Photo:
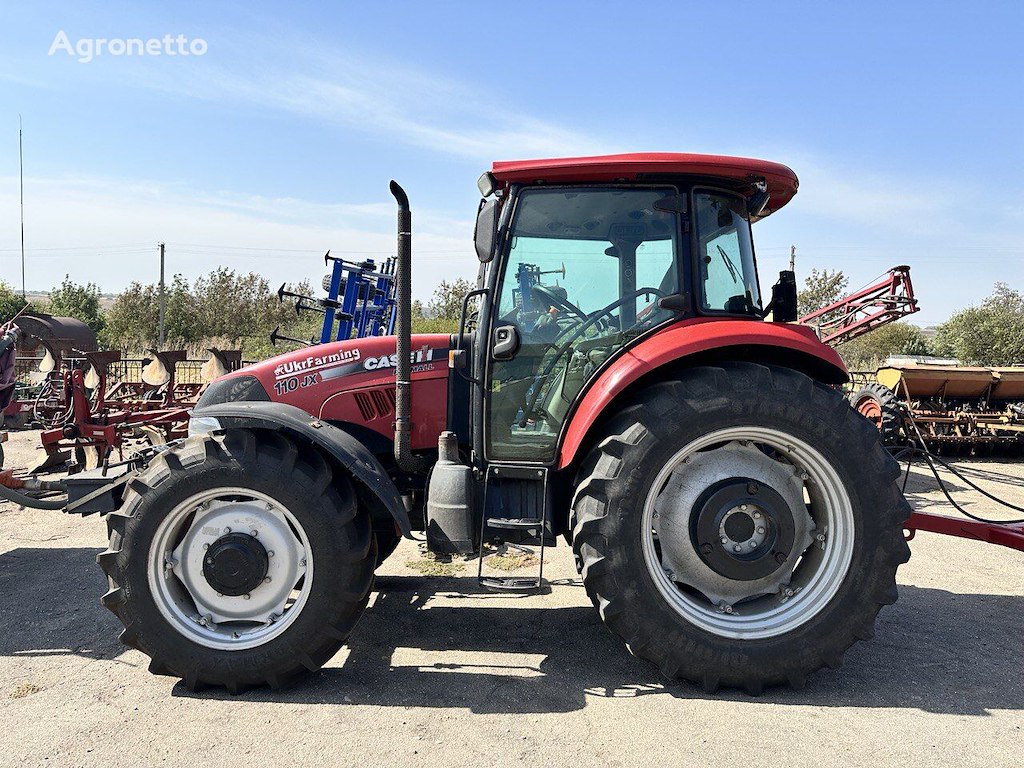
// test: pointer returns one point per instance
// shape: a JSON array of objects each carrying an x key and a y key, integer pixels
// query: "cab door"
[{"x": 581, "y": 276}]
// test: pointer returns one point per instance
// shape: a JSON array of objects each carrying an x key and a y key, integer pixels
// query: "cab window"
[{"x": 582, "y": 278}]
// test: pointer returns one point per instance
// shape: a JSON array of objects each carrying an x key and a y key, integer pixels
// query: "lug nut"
[
  {"x": 247, "y": 596},
  {"x": 753, "y": 544},
  {"x": 736, "y": 547},
  {"x": 270, "y": 553},
  {"x": 227, "y": 530},
  {"x": 760, "y": 530},
  {"x": 756, "y": 515},
  {"x": 725, "y": 540},
  {"x": 206, "y": 546},
  {"x": 266, "y": 580},
  {"x": 743, "y": 507}
]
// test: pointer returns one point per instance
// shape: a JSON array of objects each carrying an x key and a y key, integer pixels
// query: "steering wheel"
[
  {"x": 552, "y": 299},
  {"x": 531, "y": 404}
]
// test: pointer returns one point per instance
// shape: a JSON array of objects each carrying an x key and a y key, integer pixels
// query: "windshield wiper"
[{"x": 728, "y": 263}]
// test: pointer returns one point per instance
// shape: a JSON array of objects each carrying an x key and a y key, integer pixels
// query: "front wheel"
[
  {"x": 740, "y": 526},
  {"x": 238, "y": 560}
]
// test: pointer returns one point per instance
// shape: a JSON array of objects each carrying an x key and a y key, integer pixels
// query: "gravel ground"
[{"x": 439, "y": 672}]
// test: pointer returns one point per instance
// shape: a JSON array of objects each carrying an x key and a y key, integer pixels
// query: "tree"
[
  {"x": 81, "y": 301},
  {"x": 11, "y": 303},
  {"x": 133, "y": 321},
  {"x": 991, "y": 334},
  {"x": 443, "y": 311},
  {"x": 821, "y": 289},
  {"x": 870, "y": 350}
]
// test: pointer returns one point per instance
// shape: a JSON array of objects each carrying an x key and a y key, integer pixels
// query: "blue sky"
[{"x": 905, "y": 122}]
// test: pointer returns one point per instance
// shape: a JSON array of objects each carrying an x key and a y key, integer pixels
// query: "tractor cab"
[{"x": 583, "y": 257}]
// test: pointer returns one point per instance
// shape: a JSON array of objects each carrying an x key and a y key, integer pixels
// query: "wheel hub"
[
  {"x": 239, "y": 561},
  {"x": 732, "y": 523},
  {"x": 235, "y": 564},
  {"x": 744, "y": 529}
]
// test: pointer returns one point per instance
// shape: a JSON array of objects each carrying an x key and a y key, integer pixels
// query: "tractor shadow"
[
  {"x": 934, "y": 650},
  {"x": 442, "y": 643}
]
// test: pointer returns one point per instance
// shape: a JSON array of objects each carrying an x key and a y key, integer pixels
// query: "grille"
[{"x": 376, "y": 403}]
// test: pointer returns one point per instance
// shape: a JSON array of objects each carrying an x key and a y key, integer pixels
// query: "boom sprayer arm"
[{"x": 882, "y": 302}]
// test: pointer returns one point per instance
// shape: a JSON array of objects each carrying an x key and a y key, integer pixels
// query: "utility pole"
[
  {"x": 21, "y": 185},
  {"x": 792, "y": 258},
  {"x": 161, "y": 294}
]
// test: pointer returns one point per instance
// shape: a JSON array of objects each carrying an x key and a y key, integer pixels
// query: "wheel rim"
[
  {"x": 230, "y": 568},
  {"x": 805, "y": 581},
  {"x": 870, "y": 409}
]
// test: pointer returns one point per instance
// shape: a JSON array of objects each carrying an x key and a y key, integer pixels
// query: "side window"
[{"x": 725, "y": 255}]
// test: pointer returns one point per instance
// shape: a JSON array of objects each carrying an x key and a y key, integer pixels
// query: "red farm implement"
[
  {"x": 93, "y": 414},
  {"x": 889, "y": 298}
]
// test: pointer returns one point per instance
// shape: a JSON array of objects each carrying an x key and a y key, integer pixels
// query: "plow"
[{"x": 623, "y": 386}]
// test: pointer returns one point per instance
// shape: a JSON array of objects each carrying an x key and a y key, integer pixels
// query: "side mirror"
[
  {"x": 486, "y": 234},
  {"x": 783, "y": 304}
]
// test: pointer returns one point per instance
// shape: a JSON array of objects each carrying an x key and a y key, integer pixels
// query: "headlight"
[{"x": 202, "y": 425}]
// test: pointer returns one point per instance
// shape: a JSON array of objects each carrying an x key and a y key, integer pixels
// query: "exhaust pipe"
[{"x": 403, "y": 334}]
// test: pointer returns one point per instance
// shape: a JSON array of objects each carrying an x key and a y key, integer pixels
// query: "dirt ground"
[{"x": 440, "y": 673}]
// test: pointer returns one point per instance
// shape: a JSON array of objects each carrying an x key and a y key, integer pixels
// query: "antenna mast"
[{"x": 21, "y": 185}]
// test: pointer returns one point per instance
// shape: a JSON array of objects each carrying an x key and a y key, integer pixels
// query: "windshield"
[{"x": 725, "y": 254}]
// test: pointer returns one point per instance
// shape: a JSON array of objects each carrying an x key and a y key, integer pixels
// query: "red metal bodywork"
[
  {"x": 639, "y": 166},
  {"x": 687, "y": 337},
  {"x": 353, "y": 381},
  {"x": 884, "y": 301}
]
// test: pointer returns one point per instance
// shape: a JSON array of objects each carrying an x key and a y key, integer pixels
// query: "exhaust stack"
[{"x": 403, "y": 336}]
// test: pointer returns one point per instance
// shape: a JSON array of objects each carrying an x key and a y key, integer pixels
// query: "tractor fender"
[
  {"x": 700, "y": 340},
  {"x": 341, "y": 446}
]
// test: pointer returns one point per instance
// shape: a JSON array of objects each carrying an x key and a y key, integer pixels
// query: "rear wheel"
[
  {"x": 740, "y": 527},
  {"x": 879, "y": 405},
  {"x": 238, "y": 560}
]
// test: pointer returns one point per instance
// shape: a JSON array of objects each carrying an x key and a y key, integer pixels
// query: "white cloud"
[
  {"x": 374, "y": 96},
  {"x": 208, "y": 229}
]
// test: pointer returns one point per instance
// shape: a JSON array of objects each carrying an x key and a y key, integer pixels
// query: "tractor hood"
[{"x": 348, "y": 382}]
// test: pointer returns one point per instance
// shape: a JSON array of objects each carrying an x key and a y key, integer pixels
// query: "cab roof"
[{"x": 740, "y": 173}]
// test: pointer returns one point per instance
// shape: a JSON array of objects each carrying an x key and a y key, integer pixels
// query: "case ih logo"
[
  {"x": 422, "y": 355},
  {"x": 314, "y": 363}
]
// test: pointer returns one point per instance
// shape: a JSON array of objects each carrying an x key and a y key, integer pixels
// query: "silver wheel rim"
[
  {"x": 192, "y": 605},
  {"x": 818, "y": 570}
]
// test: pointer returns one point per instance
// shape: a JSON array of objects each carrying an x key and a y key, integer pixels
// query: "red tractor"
[{"x": 616, "y": 381}]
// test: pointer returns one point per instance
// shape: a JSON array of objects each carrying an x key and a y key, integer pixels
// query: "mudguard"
[{"x": 348, "y": 451}]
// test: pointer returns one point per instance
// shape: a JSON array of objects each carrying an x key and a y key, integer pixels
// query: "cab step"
[{"x": 521, "y": 491}]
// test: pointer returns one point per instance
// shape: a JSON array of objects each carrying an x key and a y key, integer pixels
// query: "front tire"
[
  {"x": 677, "y": 564},
  {"x": 238, "y": 560}
]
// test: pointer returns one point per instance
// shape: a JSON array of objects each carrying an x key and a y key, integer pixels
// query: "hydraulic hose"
[
  {"x": 29, "y": 501},
  {"x": 931, "y": 460}
]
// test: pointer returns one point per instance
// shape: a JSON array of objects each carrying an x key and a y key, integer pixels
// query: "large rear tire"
[
  {"x": 739, "y": 526},
  {"x": 238, "y": 560}
]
